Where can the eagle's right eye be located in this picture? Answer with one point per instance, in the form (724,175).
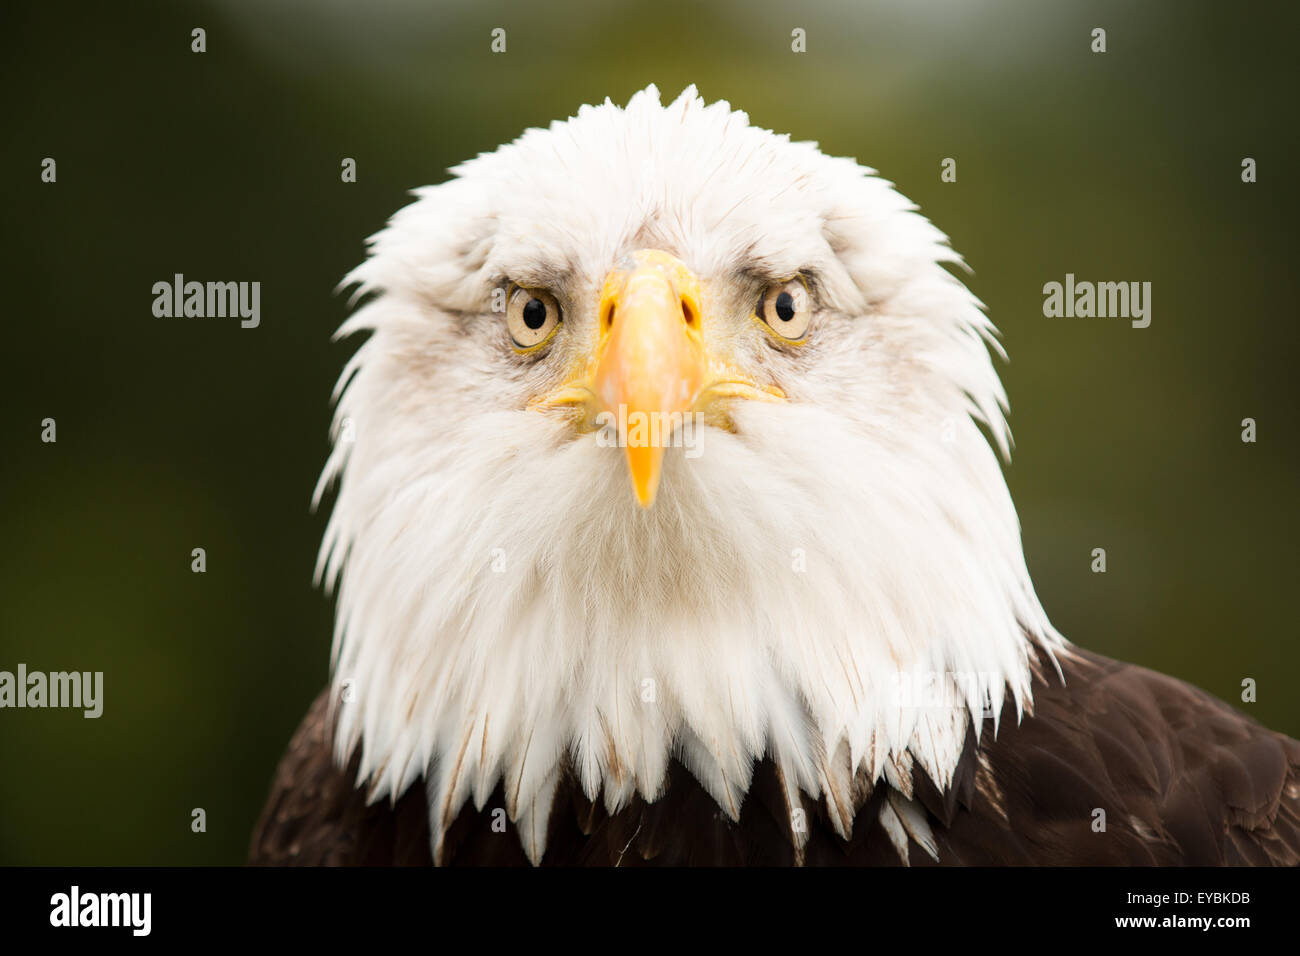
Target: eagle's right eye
(786,309)
(532,317)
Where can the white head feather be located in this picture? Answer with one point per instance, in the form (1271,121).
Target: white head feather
(507,612)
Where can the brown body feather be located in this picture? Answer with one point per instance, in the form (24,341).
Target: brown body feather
(1183,779)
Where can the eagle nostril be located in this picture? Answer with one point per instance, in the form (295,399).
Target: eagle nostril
(607,320)
(689,314)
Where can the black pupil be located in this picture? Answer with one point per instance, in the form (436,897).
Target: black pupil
(785,307)
(535,314)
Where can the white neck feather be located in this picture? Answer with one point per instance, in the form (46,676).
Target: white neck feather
(804,589)
(501,622)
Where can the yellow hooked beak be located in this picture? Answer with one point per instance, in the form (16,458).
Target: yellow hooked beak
(650,368)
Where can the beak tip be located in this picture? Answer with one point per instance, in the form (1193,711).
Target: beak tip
(646,490)
(645,464)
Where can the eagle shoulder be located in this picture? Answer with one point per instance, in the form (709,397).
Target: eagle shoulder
(1123,765)
(1115,765)
(317,816)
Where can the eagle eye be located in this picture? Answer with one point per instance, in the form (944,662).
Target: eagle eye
(532,317)
(786,309)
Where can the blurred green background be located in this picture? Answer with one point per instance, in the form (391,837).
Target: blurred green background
(175,434)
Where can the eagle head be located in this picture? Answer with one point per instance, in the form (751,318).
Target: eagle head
(665,444)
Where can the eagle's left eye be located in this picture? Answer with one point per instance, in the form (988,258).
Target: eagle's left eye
(786,309)
(532,316)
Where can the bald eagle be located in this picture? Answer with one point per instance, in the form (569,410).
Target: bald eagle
(670,528)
